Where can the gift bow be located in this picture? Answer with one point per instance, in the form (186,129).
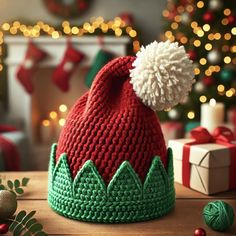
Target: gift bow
(220,135)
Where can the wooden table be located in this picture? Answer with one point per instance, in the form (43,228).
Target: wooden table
(180,222)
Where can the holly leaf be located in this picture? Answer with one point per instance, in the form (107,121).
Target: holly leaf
(25,181)
(10,184)
(19,190)
(35,228)
(2,187)
(16,183)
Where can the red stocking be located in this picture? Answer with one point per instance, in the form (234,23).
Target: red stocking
(64,70)
(26,70)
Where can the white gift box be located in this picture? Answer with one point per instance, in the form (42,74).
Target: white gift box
(209,165)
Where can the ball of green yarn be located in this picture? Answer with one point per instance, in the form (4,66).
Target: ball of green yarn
(218,215)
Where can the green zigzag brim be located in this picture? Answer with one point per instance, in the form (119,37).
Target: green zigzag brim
(88,192)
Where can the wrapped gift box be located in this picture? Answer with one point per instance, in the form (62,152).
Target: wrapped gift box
(209,165)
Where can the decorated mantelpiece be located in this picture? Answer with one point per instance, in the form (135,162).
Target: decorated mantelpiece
(206,162)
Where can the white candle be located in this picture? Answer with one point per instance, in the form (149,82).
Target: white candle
(212,114)
(46,132)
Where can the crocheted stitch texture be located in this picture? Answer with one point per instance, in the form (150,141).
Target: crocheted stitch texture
(124,199)
(110,124)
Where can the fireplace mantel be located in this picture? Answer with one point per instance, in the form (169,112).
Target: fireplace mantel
(20,103)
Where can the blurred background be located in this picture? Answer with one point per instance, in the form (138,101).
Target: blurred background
(51,50)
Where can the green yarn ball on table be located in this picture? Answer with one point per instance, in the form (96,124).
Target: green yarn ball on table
(218,215)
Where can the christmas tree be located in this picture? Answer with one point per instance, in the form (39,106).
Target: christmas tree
(207,30)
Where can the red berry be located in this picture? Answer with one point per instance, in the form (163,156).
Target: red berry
(3,228)
(199,232)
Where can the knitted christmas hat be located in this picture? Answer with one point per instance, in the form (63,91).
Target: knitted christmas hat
(111,163)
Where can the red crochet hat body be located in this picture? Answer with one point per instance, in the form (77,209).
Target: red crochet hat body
(110,124)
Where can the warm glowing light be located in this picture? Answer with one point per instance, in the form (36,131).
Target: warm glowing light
(208,46)
(177,18)
(211,36)
(55,35)
(67,30)
(208,73)
(13,30)
(221,88)
(225,21)
(227,36)
(206,27)
(165,13)
(62,122)
(65,23)
(197,43)
(227,60)
(168,34)
(233,30)
(229,93)
(1,67)
(6,26)
(203,61)
(200,4)
(46,123)
(62,108)
(132,33)
(200,33)
(191,115)
(217,68)
(118,32)
(194,24)
(75,30)
(189,8)
(203,99)
(174,25)
(197,71)
(227,12)
(212,102)
(183,40)
(53,115)
(217,36)
(233,49)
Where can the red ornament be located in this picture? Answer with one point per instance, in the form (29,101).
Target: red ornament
(231,19)
(3,228)
(192,55)
(208,80)
(208,16)
(199,232)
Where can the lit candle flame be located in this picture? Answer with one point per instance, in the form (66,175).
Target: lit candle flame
(212,102)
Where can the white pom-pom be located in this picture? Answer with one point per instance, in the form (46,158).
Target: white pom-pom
(162,75)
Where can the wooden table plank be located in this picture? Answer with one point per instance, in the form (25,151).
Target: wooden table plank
(37,187)
(182,221)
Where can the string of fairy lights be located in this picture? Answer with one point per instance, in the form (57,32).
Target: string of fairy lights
(200,31)
(117,26)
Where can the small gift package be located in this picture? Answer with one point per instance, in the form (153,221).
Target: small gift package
(172,130)
(206,162)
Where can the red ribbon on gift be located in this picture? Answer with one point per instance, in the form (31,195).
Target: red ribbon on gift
(221,135)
